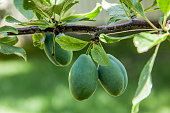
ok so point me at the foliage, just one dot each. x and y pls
(54, 13)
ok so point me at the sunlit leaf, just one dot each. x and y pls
(70, 43)
(8, 49)
(145, 41)
(84, 17)
(144, 84)
(164, 6)
(99, 55)
(38, 40)
(109, 39)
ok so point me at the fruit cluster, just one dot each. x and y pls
(84, 76)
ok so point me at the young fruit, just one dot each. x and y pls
(113, 77)
(61, 57)
(83, 77)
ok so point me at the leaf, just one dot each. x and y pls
(99, 55)
(114, 9)
(114, 19)
(164, 5)
(38, 40)
(9, 40)
(70, 43)
(84, 17)
(70, 6)
(8, 49)
(35, 23)
(144, 84)
(61, 5)
(8, 29)
(153, 4)
(145, 41)
(135, 5)
(27, 13)
(108, 39)
(11, 19)
(40, 6)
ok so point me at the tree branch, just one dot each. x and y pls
(133, 25)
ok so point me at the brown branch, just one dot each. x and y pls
(133, 25)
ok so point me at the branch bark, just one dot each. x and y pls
(133, 25)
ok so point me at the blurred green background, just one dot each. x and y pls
(38, 86)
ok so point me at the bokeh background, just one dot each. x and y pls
(37, 86)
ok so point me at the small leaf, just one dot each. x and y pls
(40, 6)
(108, 39)
(135, 5)
(153, 4)
(84, 17)
(70, 6)
(145, 41)
(61, 5)
(164, 5)
(27, 13)
(35, 23)
(144, 84)
(11, 19)
(70, 43)
(38, 40)
(8, 49)
(8, 29)
(9, 40)
(114, 9)
(114, 19)
(99, 55)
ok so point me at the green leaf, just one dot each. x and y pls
(40, 6)
(164, 5)
(70, 6)
(153, 4)
(109, 39)
(99, 55)
(114, 9)
(9, 40)
(145, 41)
(8, 29)
(11, 19)
(8, 49)
(70, 43)
(144, 84)
(84, 17)
(27, 13)
(114, 19)
(35, 23)
(135, 5)
(38, 40)
(61, 5)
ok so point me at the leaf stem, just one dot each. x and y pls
(164, 22)
(151, 24)
(89, 49)
(124, 8)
